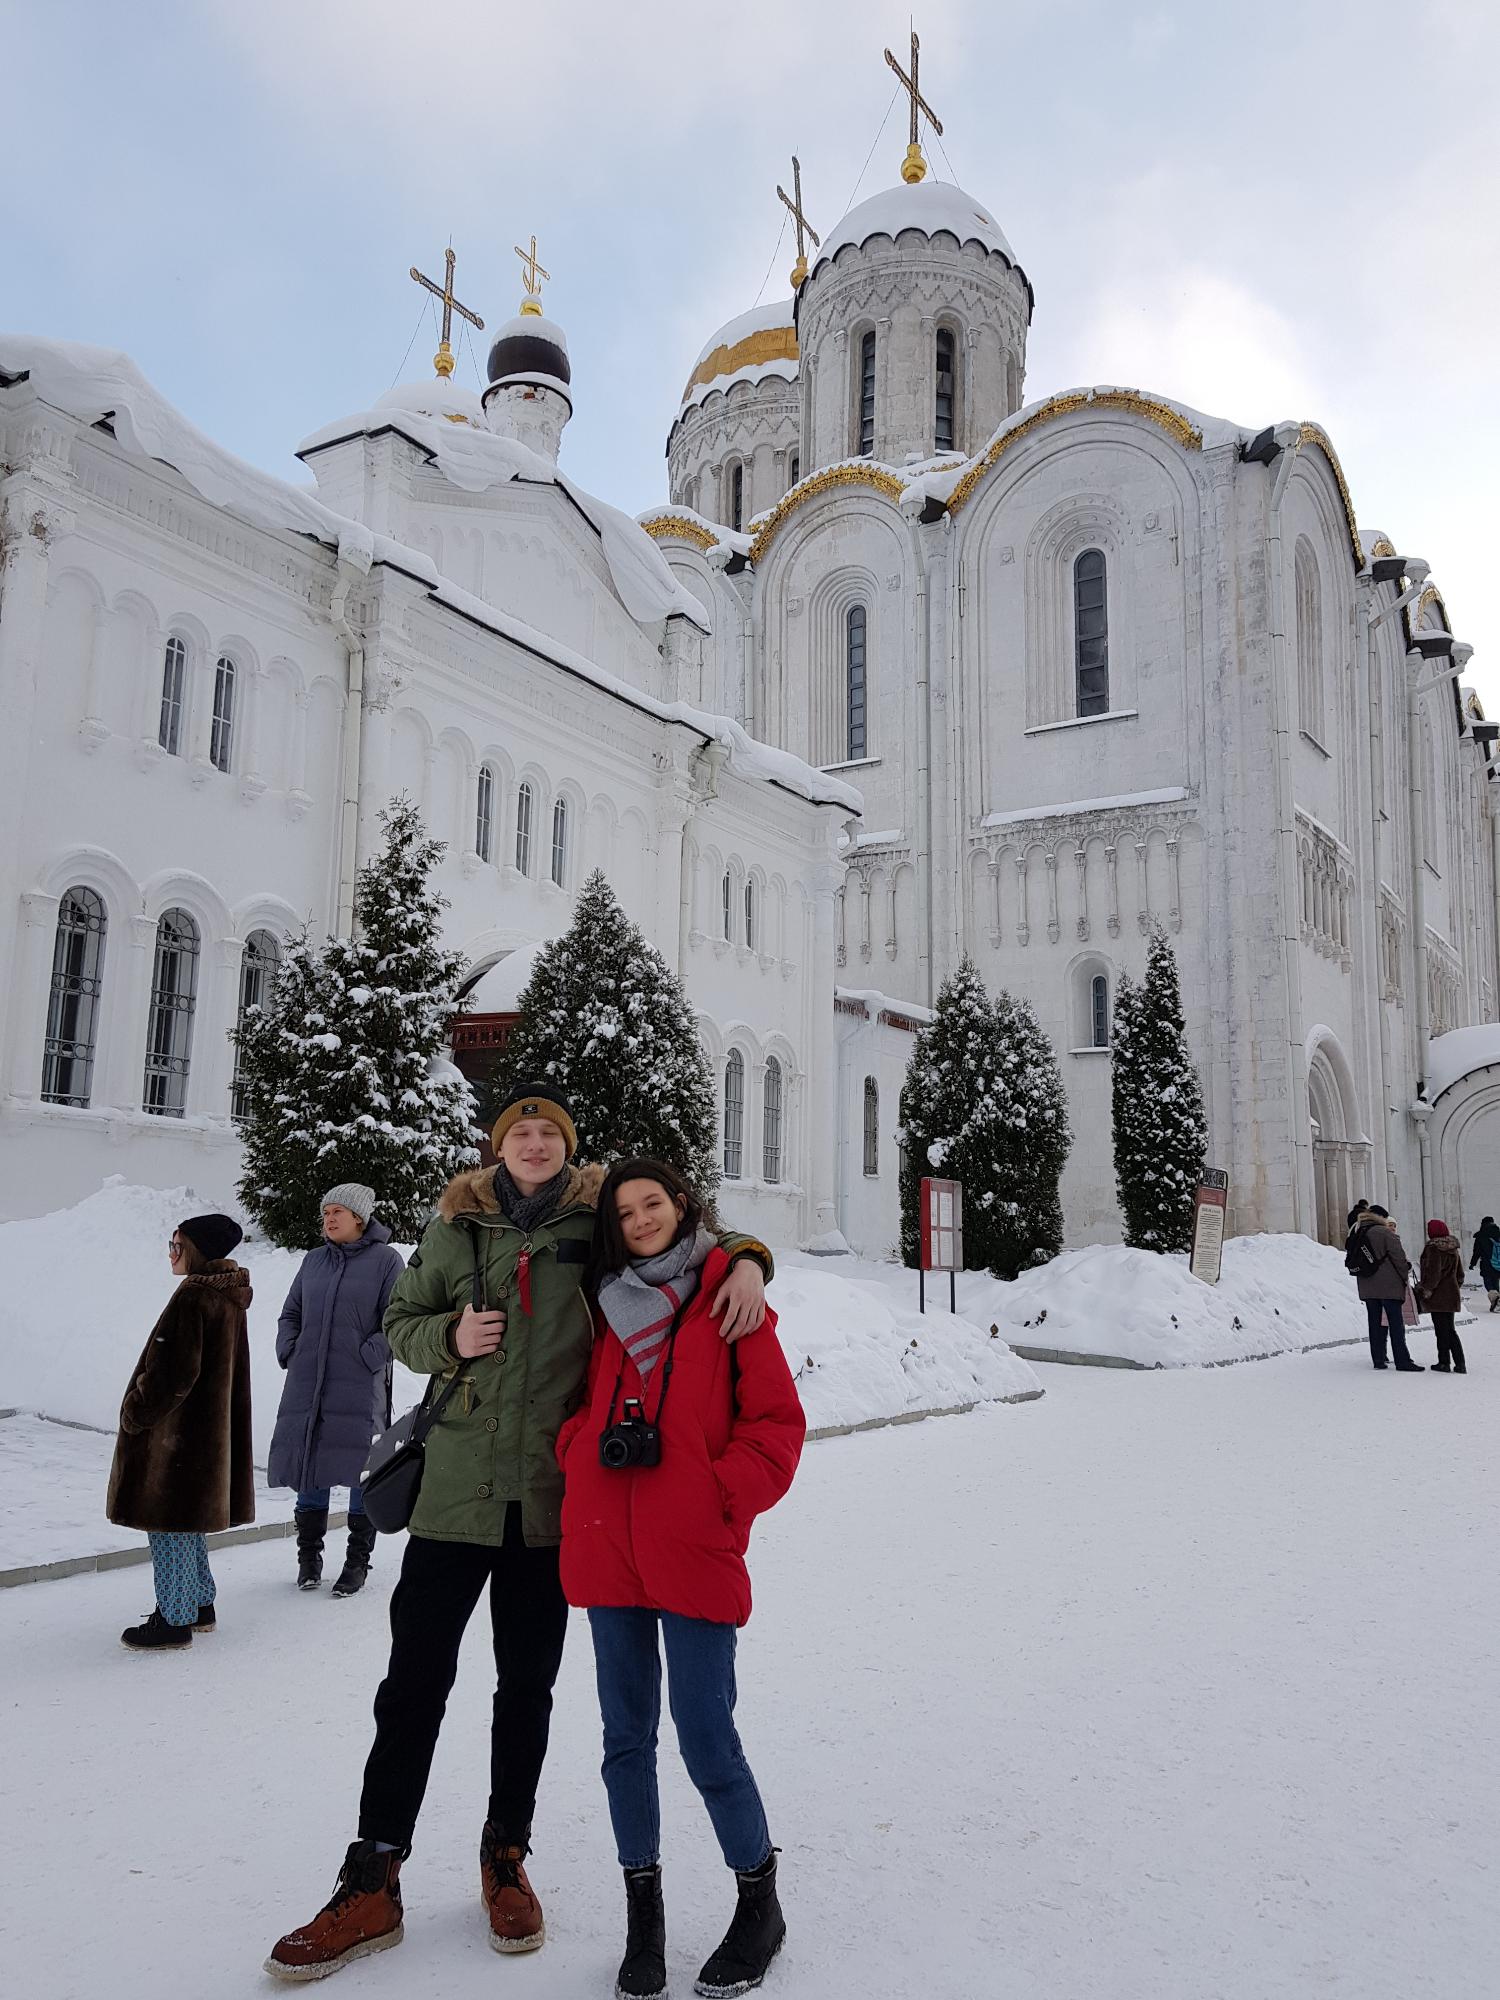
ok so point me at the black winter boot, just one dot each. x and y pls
(156, 1634)
(207, 1619)
(643, 1969)
(312, 1526)
(757, 1931)
(357, 1557)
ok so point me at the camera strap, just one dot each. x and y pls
(666, 1377)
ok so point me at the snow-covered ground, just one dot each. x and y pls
(1172, 1686)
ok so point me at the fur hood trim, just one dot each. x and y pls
(473, 1193)
(223, 1275)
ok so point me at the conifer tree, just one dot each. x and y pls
(1159, 1130)
(343, 1067)
(983, 1103)
(604, 1014)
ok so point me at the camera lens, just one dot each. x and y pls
(614, 1452)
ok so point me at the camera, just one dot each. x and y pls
(632, 1441)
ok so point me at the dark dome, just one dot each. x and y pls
(528, 347)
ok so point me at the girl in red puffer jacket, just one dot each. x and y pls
(681, 1442)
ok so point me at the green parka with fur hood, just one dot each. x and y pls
(495, 1441)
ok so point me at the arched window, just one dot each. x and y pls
(259, 964)
(737, 494)
(174, 996)
(484, 813)
(173, 674)
(73, 999)
(1091, 633)
(221, 738)
(947, 384)
(795, 468)
(867, 395)
(872, 1128)
(734, 1115)
(1309, 641)
(856, 726)
(728, 888)
(525, 799)
(1099, 1011)
(770, 1124)
(750, 915)
(560, 842)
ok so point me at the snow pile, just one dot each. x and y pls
(1455, 1055)
(933, 207)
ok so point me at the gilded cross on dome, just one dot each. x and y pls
(804, 227)
(914, 167)
(531, 271)
(442, 361)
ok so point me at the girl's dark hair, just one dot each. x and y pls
(607, 1253)
(190, 1256)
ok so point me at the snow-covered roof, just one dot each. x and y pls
(499, 990)
(437, 398)
(1453, 1056)
(748, 348)
(91, 383)
(1170, 795)
(930, 206)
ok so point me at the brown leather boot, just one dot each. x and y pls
(515, 1914)
(362, 1915)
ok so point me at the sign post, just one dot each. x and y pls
(942, 1244)
(1210, 1205)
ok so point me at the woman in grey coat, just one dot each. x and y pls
(337, 1364)
(1375, 1257)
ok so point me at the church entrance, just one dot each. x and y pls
(1341, 1158)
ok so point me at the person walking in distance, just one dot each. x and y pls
(337, 1392)
(182, 1466)
(487, 1518)
(1375, 1259)
(1440, 1291)
(1486, 1237)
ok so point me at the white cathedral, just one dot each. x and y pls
(908, 666)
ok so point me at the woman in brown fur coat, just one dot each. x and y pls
(182, 1467)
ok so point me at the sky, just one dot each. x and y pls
(1286, 211)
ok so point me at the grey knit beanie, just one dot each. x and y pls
(353, 1195)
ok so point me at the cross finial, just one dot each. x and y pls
(442, 361)
(804, 227)
(914, 167)
(531, 270)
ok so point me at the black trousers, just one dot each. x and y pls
(1450, 1347)
(1382, 1313)
(432, 1603)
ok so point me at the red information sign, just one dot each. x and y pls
(942, 1233)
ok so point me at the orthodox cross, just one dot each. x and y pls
(804, 227)
(914, 167)
(442, 361)
(531, 270)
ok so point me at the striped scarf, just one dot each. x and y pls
(641, 1301)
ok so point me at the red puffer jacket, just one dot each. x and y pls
(672, 1537)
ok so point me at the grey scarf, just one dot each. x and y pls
(527, 1210)
(641, 1301)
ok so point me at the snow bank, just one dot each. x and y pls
(83, 1287)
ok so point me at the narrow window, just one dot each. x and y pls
(750, 915)
(73, 1000)
(221, 739)
(728, 887)
(867, 396)
(770, 1124)
(796, 467)
(173, 672)
(942, 429)
(1099, 1010)
(174, 997)
(737, 496)
(259, 965)
(872, 1128)
(484, 813)
(734, 1115)
(560, 842)
(524, 800)
(1091, 633)
(855, 731)
(1309, 642)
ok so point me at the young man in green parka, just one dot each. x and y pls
(517, 1236)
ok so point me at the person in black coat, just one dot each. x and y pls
(1486, 1236)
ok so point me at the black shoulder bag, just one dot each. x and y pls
(393, 1475)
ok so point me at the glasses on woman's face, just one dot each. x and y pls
(174, 1246)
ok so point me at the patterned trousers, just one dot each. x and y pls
(183, 1577)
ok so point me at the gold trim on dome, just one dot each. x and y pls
(1382, 548)
(1173, 422)
(1431, 595)
(818, 483)
(771, 343)
(675, 528)
(1315, 434)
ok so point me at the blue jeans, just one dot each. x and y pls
(182, 1575)
(701, 1690)
(1383, 1313)
(317, 1496)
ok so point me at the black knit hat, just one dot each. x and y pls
(213, 1236)
(536, 1100)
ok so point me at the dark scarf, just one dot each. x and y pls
(526, 1211)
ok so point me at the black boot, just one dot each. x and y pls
(757, 1931)
(155, 1634)
(312, 1526)
(643, 1969)
(357, 1557)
